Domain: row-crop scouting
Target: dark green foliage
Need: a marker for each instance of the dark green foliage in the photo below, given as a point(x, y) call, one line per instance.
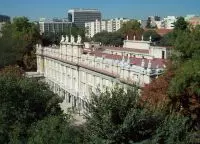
point(180, 24)
point(116, 117)
point(23, 102)
point(17, 45)
point(174, 129)
point(107, 38)
point(148, 23)
point(168, 39)
point(51, 38)
point(75, 31)
point(131, 28)
point(55, 129)
point(184, 90)
point(155, 37)
point(179, 33)
point(11, 50)
point(188, 42)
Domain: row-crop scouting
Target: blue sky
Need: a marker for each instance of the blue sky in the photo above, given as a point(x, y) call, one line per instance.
point(140, 9)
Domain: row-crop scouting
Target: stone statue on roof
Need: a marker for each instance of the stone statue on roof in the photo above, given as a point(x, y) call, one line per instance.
point(72, 39)
point(62, 39)
point(150, 38)
point(79, 39)
point(127, 37)
point(67, 39)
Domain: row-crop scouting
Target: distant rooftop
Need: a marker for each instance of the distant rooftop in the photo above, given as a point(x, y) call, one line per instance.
point(4, 16)
point(83, 10)
point(54, 20)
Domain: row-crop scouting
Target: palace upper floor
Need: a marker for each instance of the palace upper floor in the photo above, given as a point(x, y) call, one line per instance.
point(135, 57)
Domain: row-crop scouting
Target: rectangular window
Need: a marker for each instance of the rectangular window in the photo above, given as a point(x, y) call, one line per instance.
point(69, 100)
point(75, 102)
point(163, 54)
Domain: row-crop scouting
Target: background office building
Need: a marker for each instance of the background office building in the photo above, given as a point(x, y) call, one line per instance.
point(3, 20)
point(54, 26)
point(80, 16)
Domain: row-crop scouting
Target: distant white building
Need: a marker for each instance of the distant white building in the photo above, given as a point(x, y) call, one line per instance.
point(115, 24)
point(143, 23)
point(111, 25)
point(104, 25)
point(156, 21)
point(168, 22)
point(92, 28)
point(159, 24)
point(188, 17)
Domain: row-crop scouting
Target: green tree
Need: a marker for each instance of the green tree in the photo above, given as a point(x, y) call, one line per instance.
point(108, 38)
point(131, 28)
point(174, 129)
point(188, 43)
point(180, 27)
point(23, 102)
point(184, 90)
point(116, 117)
point(50, 38)
point(18, 43)
point(55, 129)
point(168, 39)
point(75, 31)
point(180, 24)
point(148, 23)
point(155, 37)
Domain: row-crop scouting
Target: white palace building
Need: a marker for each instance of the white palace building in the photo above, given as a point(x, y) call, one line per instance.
point(75, 69)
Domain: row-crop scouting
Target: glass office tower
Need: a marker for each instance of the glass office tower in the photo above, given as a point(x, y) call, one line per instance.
point(80, 16)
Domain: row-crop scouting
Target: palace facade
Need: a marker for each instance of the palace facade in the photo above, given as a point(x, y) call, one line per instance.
point(74, 69)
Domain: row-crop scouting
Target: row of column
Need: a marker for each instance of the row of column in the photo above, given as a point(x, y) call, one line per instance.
point(69, 100)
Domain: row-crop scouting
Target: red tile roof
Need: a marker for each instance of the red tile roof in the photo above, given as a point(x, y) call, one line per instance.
point(127, 49)
point(156, 62)
point(163, 32)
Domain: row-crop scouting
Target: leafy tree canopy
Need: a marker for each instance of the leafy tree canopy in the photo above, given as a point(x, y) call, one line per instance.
point(155, 37)
point(131, 29)
point(18, 43)
point(184, 89)
point(107, 38)
point(55, 129)
point(23, 102)
point(180, 24)
point(117, 116)
point(188, 43)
